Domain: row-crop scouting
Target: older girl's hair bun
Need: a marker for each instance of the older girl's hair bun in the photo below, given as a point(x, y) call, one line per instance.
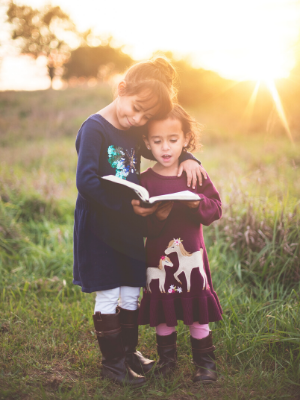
point(165, 71)
point(157, 76)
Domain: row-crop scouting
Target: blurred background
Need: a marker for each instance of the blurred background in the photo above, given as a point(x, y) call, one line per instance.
point(238, 64)
point(238, 61)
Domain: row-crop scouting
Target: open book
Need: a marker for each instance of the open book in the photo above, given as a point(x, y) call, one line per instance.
point(143, 193)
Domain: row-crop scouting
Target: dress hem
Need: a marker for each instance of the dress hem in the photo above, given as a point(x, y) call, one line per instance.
point(202, 309)
point(180, 319)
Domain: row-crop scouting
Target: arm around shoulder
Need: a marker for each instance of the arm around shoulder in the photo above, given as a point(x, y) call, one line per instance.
point(185, 155)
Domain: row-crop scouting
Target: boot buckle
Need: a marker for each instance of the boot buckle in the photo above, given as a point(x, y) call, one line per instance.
point(203, 351)
point(103, 333)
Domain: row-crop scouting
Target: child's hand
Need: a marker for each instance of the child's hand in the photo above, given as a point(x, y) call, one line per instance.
point(142, 211)
point(193, 172)
point(191, 204)
point(164, 210)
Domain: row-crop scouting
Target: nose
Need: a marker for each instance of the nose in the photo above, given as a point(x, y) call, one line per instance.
point(165, 145)
point(137, 119)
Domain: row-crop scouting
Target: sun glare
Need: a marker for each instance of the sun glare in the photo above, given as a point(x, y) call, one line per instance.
point(264, 64)
point(258, 45)
point(279, 108)
point(248, 113)
point(240, 40)
point(250, 106)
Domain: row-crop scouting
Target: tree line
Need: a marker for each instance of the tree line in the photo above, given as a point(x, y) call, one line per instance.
point(48, 31)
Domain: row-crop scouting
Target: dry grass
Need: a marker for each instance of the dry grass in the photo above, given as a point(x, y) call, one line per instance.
point(47, 346)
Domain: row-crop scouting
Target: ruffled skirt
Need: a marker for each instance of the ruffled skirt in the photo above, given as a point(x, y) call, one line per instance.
point(169, 308)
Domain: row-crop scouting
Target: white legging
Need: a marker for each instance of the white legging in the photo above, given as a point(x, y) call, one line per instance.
point(125, 296)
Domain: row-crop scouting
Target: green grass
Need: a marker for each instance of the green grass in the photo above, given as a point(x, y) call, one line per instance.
point(47, 345)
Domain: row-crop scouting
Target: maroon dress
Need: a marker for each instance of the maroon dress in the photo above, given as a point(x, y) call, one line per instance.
point(179, 285)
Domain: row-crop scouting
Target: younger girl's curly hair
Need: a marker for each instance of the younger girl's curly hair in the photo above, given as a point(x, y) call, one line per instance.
point(188, 125)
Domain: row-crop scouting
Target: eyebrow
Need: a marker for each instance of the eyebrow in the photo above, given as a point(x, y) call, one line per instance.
point(158, 136)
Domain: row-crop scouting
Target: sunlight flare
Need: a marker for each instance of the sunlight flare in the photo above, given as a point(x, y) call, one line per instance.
point(279, 108)
point(250, 106)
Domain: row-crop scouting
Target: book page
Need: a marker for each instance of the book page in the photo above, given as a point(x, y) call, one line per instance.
point(184, 195)
point(139, 190)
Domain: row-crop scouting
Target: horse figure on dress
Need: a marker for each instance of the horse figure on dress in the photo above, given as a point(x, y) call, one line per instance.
point(187, 261)
point(159, 273)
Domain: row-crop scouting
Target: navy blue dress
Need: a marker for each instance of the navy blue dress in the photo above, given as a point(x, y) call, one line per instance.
point(108, 235)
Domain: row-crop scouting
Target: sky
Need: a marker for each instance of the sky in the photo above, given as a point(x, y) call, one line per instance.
point(239, 39)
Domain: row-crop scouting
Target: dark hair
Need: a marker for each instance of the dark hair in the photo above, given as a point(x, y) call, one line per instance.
point(157, 75)
point(188, 125)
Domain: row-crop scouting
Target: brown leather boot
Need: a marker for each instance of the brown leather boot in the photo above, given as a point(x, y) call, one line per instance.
point(204, 359)
point(167, 351)
point(136, 361)
point(114, 366)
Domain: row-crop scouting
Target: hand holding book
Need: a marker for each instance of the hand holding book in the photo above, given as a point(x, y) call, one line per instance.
point(191, 204)
point(143, 194)
point(164, 209)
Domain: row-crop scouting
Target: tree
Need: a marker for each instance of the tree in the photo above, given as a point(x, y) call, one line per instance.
point(41, 32)
point(100, 62)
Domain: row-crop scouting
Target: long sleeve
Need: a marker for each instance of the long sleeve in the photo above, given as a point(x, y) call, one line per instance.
point(210, 207)
point(88, 144)
point(185, 155)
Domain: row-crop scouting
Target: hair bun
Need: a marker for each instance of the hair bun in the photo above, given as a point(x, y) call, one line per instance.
point(166, 72)
point(157, 75)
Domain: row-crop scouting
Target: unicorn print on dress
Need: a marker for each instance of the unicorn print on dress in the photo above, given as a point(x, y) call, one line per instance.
point(159, 273)
point(187, 262)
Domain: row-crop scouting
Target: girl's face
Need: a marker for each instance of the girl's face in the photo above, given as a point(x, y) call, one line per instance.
point(134, 110)
point(166, 140)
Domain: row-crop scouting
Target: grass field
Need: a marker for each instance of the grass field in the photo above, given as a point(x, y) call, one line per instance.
point(47, 346)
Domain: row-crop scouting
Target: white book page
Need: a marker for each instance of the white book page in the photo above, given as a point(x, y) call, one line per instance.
point(184, 195)
point(140, 190)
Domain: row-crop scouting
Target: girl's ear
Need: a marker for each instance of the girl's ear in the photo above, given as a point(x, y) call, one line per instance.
point(121, 88)
point(145, 139)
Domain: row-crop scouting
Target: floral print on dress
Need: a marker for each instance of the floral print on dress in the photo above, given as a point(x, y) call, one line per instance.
point(173, 289)
point(123, 161)
point(177, 242)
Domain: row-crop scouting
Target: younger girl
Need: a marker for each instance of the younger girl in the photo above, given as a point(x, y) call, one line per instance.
point(179, 283)
point(109, 254)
